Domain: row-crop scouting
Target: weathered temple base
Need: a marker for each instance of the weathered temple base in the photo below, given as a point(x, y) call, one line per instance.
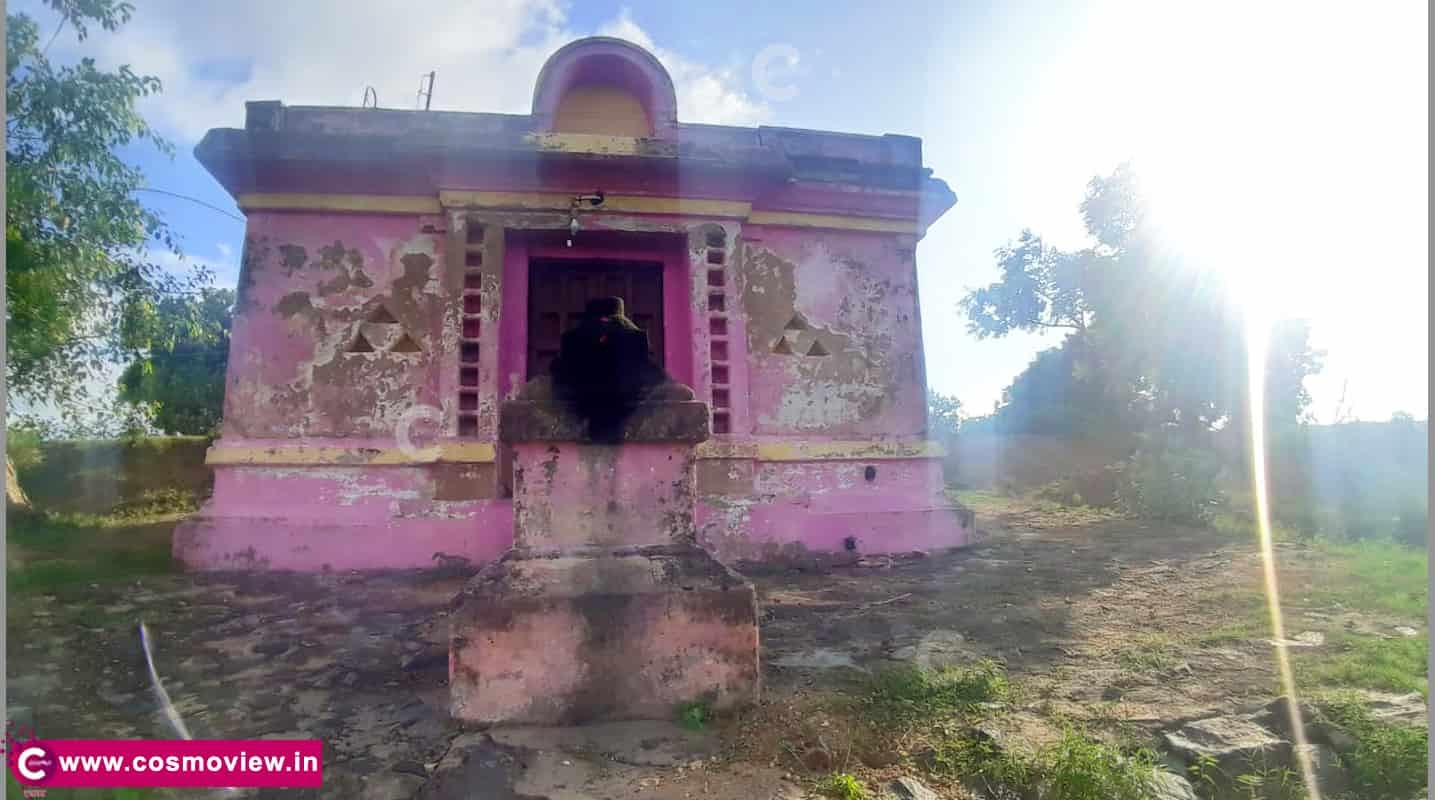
point(548, 638)
point(606, 608)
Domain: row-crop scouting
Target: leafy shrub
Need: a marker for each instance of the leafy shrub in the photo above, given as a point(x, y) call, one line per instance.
point(843, 787)
point(1076, 767)
point(695, 714)
point(158, 502)
point(1180, 485)
point(1081, 768)
point(1388, 760)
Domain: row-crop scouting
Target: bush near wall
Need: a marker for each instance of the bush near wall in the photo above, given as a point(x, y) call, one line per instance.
point(1023, 462)
point(101, 476)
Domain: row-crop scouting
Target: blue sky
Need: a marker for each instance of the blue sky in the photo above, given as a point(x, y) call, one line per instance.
point(1291, 140)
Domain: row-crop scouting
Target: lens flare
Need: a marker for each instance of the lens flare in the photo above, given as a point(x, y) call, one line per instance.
point(1257, 330)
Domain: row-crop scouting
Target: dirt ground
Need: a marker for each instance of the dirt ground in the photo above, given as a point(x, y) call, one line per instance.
point(1102, 621)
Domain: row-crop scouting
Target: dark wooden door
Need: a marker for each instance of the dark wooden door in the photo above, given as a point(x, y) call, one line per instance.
point(559, 289)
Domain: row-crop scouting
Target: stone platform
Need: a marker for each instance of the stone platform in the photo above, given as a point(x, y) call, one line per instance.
point(606, 608)
point(550, 638)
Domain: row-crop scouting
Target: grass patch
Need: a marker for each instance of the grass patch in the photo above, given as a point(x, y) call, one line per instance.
point(1350, 661)
point(1242, 615)
point(1076, 767)
point(914, 694)
point(48, 552)
point(1150, 653)
point(1029, 508)
point(1374, 576)
point(976, 758)
point(1242, 630)
point(1388, 760)
point(843, 787)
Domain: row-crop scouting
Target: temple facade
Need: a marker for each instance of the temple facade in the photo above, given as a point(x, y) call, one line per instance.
point(406, 272)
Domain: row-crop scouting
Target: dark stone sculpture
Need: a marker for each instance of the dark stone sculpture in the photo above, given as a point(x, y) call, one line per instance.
point(603, 372)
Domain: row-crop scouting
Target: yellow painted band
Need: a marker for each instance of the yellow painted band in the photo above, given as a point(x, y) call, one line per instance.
point(821, 451)
point(795, 219)
point(301, 455)
point(615, 203)
point(592, 143)
point(362, 203)
point(559, 201)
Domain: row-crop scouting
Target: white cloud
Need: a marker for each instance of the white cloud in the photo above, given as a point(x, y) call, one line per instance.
point(705, 94)
point(213, 57)
point(224, 269)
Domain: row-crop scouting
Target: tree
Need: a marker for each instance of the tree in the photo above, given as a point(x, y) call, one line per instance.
point(944, 415)
point(1040, 288)
point(1064, 392)
point(77, 275)
point(1154, 341)
point(78, 278)
point(180, 377)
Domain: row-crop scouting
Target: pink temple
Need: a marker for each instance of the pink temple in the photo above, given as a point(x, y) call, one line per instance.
point(406, 272)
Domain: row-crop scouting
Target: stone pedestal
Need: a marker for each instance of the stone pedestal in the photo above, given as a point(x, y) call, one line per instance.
point(606, 607)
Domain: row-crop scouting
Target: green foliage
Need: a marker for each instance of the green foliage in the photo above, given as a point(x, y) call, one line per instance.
point(695, 714)
point(1388, 761)
point(77, 271)
point(970, 755)
point(843, 787)
point(1179, 485)
point(913, 694)
point(1080, 768)
point(179, 377)
point(158, 503)
point(1367, 662)
point(23, 446)
point(1153, 340)
point(112, 476)
point(944, 416)
point(1064, 391)
point(1041, 288)
point(1076, 767)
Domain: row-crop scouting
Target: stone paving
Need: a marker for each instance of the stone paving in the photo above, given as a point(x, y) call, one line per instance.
point(359, 661)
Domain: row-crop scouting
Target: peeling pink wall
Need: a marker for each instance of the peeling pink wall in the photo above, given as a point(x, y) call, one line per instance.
point(322, 518)
point(309, 283)
point(852, 295)
point(796, 509)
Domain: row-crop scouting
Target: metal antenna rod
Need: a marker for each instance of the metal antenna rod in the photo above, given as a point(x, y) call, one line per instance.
point(427, 94)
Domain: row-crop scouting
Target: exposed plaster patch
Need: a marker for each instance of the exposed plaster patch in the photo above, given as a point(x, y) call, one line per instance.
point(823, 323)
point(331, 298)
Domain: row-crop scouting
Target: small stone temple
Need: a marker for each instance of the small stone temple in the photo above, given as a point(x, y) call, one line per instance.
point(407, 275)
